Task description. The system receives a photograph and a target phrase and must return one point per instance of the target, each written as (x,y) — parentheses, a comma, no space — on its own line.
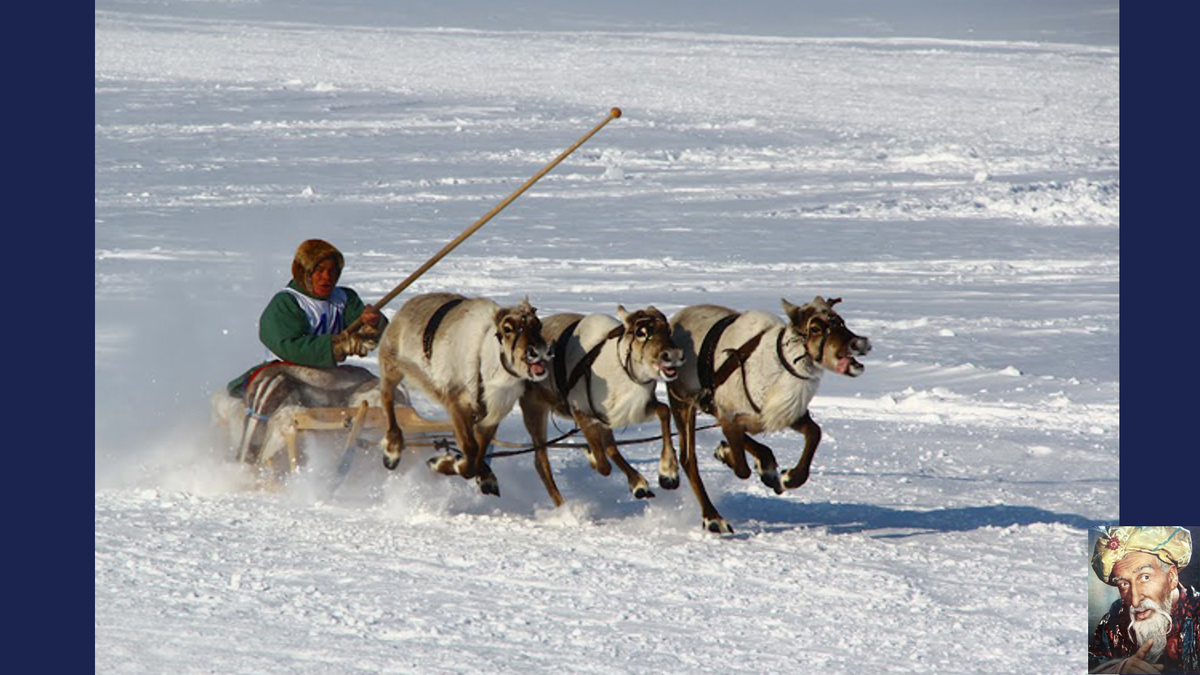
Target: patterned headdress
(1172,545)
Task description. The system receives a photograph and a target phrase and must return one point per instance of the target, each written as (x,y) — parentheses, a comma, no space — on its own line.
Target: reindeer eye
(641,332)
(508,328)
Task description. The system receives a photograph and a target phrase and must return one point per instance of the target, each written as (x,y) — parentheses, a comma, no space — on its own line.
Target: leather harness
(583,369)
(710,379)
(435,320)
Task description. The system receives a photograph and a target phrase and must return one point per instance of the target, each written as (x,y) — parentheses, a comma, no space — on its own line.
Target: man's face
(324,277)
(1138,577)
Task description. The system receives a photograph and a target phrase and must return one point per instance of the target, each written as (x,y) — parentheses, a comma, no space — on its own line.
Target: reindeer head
(522,347)
(817,332)
(647,351)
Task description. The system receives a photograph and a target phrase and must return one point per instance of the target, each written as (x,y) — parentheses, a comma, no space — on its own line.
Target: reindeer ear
(792,311)
(622,314)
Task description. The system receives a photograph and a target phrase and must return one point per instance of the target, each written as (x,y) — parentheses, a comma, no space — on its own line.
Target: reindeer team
(754,372)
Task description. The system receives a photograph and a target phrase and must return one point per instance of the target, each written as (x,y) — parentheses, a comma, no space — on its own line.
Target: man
(305,323)
(304,327)
(1155,626)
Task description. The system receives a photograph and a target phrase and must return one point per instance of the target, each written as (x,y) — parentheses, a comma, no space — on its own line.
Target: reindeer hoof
(642,492)
(391,463)
(668,482)
(443,464)
(718,526)
(792,481)
(771,480)
(489,487)
(724,454)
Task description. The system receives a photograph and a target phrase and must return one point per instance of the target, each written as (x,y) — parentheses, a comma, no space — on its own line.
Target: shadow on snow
(779,515)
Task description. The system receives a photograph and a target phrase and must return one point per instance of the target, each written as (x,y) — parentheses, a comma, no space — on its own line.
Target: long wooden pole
(612,115)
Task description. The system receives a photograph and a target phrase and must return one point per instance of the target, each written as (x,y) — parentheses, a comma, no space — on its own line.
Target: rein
(556,442)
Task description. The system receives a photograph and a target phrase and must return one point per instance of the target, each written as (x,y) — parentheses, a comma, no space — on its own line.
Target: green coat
(285,329)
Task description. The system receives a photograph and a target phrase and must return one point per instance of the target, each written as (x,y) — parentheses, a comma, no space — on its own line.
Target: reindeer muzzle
(668,364)
(848,365)
(537,366)
(860,346)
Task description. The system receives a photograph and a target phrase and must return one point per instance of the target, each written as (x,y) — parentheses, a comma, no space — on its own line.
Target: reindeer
(472,356)
(756,373)
(605,372)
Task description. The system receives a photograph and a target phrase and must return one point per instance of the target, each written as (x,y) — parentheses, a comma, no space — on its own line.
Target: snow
(954,179)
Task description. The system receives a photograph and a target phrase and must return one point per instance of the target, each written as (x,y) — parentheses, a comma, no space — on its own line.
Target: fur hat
(1172,545)
(308,256)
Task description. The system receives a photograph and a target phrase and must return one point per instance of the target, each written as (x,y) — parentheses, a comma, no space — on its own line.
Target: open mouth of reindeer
(668,372)
(847,364)
(537,369)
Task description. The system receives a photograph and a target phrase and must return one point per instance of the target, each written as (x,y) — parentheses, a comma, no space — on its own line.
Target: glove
(346,344)
(372,333)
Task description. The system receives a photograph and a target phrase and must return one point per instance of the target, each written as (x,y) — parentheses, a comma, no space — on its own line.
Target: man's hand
(370,316)
(372,325)
(1135,664)
(346,344)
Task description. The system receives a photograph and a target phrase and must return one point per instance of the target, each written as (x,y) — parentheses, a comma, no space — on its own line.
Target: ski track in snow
(962,197)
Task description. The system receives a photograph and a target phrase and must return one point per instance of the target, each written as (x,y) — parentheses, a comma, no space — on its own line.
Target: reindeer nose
(671,356)
(861,345)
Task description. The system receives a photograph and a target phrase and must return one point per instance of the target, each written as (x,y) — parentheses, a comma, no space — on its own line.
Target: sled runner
(276,443)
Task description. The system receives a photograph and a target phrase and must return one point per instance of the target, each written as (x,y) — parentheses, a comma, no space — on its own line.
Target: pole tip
(615,112)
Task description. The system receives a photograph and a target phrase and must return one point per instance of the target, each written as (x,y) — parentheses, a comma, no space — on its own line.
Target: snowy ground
(963,197)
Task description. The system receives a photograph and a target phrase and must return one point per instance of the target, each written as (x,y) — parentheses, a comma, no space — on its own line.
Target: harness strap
(584,369)
(783,359)
(708,349)
(435,320)
(585,364)
(560,359)
(737,361)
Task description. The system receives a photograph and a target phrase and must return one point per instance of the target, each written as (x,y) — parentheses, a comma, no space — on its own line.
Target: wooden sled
(354,423)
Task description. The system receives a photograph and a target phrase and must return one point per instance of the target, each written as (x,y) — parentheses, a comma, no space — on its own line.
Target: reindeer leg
(488,483)
(797,476)
(535,423)
(685,419)
(637,482)
(668,465)
(597,457)
(393,440)
(764,461)
(732,450)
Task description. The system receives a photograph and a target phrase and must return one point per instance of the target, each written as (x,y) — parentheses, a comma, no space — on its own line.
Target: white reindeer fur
(464,360)
(782,397)
(621,400)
